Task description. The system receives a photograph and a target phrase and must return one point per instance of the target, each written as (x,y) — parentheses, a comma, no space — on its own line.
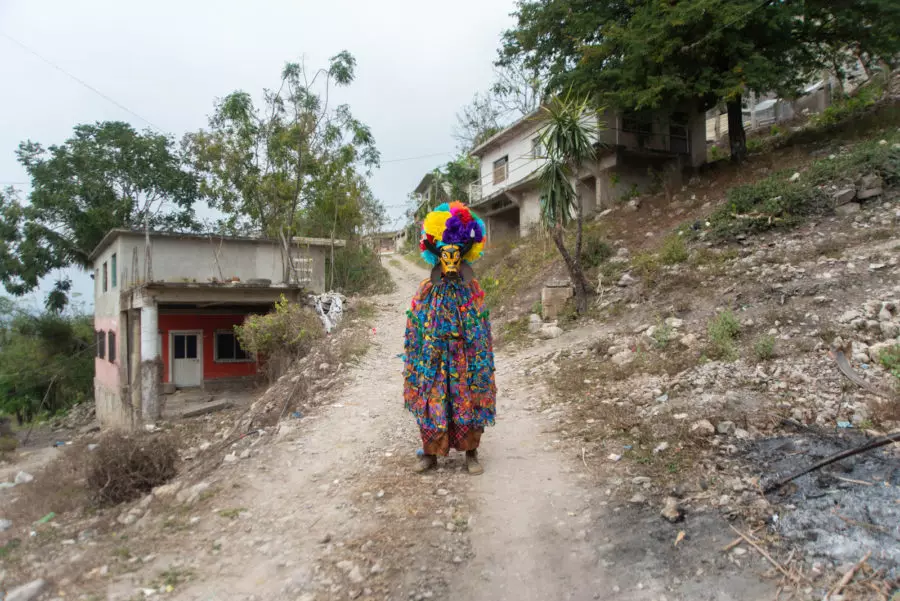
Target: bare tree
(517,89)
(477,121)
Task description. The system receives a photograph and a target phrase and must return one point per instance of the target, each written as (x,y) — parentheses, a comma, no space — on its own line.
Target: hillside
(707,365)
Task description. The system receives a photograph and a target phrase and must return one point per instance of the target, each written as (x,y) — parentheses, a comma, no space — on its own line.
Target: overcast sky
(417,63)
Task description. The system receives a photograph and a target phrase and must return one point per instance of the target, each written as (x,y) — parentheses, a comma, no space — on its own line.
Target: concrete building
(385,243)
(164,314)
(634,152)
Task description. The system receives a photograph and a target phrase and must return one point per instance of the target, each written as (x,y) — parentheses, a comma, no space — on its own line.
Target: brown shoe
(472,463)
(426,462)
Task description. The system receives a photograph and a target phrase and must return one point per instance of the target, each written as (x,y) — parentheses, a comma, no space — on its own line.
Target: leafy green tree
(107,175)
(568,140)
(47,361)
(58,298)
(274,169)
(843,32)
(660,55)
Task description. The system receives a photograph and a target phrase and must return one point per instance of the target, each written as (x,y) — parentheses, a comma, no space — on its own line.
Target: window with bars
(228,348)
(501,169)
(101,344)
(111,340)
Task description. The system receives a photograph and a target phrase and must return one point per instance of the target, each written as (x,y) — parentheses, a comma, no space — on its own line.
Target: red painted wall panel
(209,324)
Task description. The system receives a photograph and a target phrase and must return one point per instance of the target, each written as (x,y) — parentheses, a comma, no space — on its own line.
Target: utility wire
(80,81)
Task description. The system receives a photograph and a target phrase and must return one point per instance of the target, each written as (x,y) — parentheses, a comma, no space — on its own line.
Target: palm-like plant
(568,142)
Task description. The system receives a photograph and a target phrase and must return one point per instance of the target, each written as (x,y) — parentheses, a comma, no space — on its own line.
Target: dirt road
(332,511)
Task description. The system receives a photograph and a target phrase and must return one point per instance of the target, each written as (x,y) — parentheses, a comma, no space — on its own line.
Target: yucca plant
(568,141)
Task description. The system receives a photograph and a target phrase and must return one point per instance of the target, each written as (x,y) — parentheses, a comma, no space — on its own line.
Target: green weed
(723,329)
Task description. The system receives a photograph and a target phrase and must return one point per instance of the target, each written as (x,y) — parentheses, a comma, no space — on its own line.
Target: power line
(424,156)
(80,81)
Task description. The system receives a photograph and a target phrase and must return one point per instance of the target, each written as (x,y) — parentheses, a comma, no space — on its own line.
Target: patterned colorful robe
(449,365)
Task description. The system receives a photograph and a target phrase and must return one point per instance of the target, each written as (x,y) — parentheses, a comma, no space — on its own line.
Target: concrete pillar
(134,365)
(151,365)
(554,296)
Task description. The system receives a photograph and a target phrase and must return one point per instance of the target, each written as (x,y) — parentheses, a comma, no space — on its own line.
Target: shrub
(755,145)
(594,249)
(716,154)
(890,359)
(764,347)
(123,468)
(674,250)
(662,335)
(722,330)
(647,266)
(357,270)
(777,202)
(847,108)
(289,330)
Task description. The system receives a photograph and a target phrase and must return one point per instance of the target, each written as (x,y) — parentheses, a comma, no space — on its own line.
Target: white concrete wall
(529,211)
(187,259)
(106,304)
(521,163)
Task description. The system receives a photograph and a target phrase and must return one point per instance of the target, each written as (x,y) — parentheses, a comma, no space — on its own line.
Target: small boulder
(727,428)
(27,592)
(842,197)
(626,280)
(849,316)
(191,495)
(848,209)
(703,426)
(623,358)
(167,491)
(551,330)
(871,180)
(674,322)
(870,193)
(23,478)
(672,511)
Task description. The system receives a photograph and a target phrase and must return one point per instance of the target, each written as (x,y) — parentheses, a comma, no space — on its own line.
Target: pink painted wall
(106,373)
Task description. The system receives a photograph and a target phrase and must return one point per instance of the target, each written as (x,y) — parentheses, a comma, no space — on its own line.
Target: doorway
(186,358)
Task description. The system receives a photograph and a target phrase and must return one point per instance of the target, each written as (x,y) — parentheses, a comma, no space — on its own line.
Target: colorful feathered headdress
(452,223)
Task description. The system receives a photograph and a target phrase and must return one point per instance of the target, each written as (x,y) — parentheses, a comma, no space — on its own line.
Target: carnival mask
(450,259)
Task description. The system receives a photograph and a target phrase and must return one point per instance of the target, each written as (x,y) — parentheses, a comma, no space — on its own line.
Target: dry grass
(58,488)
(885,413)
(124,468)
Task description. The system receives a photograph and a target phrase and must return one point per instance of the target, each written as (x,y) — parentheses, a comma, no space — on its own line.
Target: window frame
(112,270)
(105,276)
(537,148)
(501,168)
(111,346)
(101,344)
(249,359)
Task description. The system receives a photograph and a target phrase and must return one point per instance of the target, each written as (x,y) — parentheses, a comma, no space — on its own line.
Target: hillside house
(169,322)
(385,243)
(429,193)
(634,152)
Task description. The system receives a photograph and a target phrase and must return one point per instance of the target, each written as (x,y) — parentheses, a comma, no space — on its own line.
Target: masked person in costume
(449,359)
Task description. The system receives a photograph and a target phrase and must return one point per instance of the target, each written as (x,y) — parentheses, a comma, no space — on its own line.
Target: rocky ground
(629,460)
(679,417)
(324,506)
